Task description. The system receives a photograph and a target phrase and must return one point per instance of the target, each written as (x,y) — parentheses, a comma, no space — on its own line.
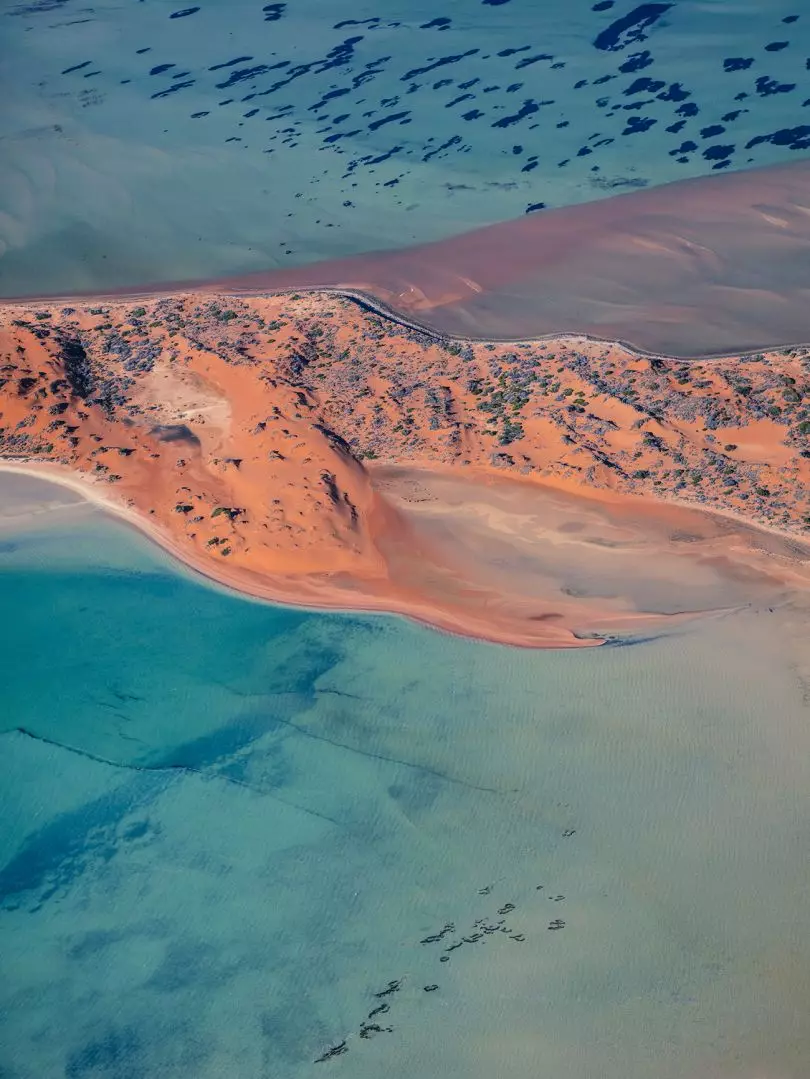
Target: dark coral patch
(644,84)
(526,109)
(441,62)
(388,120)
(767,86)
(795,138)
(173,88)
(636,125)
(636,61)
(716,153)
(527,61)
(230,63)
(737,63)
(630,28)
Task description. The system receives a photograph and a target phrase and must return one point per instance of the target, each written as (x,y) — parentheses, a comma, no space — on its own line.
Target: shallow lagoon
(320,129)
(262,812)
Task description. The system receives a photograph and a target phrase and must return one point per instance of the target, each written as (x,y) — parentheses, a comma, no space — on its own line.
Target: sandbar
(694,268)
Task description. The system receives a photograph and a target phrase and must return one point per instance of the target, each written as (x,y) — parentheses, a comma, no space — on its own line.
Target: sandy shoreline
(322,595)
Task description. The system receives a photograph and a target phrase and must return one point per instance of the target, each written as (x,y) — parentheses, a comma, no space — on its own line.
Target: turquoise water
(225,826)
(148,142)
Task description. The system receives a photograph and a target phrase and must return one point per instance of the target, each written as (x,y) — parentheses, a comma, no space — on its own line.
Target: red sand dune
(303,449)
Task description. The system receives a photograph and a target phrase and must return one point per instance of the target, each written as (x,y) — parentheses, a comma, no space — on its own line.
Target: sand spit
(692,268)
(302,449)
(695,268)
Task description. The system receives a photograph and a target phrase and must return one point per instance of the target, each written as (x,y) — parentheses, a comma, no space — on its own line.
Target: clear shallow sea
(263,812)
(144,142)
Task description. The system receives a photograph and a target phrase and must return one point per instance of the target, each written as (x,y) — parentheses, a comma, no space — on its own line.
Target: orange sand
(255,438)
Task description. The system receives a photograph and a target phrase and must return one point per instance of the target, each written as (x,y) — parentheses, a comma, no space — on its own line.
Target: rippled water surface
(318,128)
(232,833)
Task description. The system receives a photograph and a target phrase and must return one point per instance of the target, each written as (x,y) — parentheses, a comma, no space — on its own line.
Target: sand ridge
(693,268)
(255,437)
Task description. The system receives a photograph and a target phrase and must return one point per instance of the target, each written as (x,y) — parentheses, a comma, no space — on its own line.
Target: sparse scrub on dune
(318,370)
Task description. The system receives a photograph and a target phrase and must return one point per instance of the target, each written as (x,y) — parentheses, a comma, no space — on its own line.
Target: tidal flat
(237,837)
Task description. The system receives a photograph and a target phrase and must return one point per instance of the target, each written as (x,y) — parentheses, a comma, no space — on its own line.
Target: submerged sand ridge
(692,268)
(301,448)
